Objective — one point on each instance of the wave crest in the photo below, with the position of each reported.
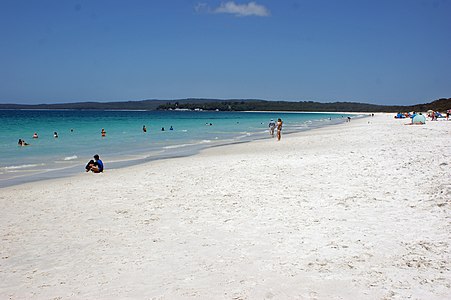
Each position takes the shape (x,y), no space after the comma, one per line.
(71,157)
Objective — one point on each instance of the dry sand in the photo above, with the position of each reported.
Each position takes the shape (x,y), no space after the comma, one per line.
(359,210)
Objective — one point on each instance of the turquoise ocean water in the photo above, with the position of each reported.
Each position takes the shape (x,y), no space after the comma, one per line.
(125,143)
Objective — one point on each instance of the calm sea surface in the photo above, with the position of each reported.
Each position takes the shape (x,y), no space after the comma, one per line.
(125,143)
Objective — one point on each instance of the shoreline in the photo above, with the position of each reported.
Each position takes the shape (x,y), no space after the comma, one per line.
(340,212)
(131,160)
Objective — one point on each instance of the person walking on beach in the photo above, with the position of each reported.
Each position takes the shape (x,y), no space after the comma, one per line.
(279,129)
(272,127)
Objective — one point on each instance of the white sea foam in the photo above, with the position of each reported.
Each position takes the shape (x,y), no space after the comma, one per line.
(243,135)
(9,168)
(187,145)
(177,146)
(71,157)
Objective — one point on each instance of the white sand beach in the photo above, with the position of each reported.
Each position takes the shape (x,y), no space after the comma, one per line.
(359,210)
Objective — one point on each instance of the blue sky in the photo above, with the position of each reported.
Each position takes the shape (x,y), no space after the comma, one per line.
(379,51)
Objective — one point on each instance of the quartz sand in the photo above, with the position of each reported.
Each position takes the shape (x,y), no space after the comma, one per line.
(359,210)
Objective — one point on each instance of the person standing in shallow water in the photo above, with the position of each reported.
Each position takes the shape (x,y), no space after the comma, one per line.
(144,128)
(103,132)
(279,128)
(272,126)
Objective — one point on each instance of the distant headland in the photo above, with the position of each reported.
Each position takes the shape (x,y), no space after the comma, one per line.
(237,105)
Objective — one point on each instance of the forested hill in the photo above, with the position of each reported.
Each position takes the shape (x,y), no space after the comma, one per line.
(261,105)
(237,105)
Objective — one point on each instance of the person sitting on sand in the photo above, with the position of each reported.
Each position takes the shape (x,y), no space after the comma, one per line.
(272,127)
(22,143)
(95,166)
(89,165)
(35,135)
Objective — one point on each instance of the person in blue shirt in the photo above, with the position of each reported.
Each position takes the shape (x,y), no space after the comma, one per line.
(95,166)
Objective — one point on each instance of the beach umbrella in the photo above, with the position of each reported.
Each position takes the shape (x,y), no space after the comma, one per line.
(419,119)
(430,111)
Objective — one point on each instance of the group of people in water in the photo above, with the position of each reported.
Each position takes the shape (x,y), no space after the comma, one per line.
(162,128)
(272,127)
(102,133)
(96,165)
(35,136)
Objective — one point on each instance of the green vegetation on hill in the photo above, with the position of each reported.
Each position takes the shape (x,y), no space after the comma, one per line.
(261,105)
(237,105)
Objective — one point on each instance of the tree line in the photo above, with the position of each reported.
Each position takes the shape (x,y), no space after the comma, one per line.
(262,105)
(238,105)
